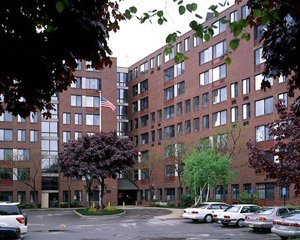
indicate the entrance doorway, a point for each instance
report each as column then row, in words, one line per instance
column 53, row 200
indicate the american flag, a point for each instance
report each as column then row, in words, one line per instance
column 108, row 104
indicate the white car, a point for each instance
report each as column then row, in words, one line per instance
column 235, row 215
column 11, row 216
column 204, row 211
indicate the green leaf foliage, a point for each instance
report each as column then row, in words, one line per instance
column 160, row 13
column 181, row 9
column 180, row 57
column 228, row 60
column 234, row 43
column 133, row 9
column 60, row 6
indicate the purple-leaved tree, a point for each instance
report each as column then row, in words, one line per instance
column 95, row 158
column 282, row 163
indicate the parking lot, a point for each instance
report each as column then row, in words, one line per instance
column 139, row 224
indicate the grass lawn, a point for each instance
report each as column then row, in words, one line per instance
column 94, row 212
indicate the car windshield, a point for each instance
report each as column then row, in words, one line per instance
column 232, row 209
column 266, row 211
column 294, row 215
column 201, row 206
column 9, row 210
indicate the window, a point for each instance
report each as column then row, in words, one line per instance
column 282, row 79
column 219, row 72
column 122, row 95
column 144, row 68
column 76, row 101
column 205, row 78
column 283, row 97
column 49, row 129
column 136, row 141
column 262, row 133
column 66, row 118
column 219, row 118
column 196, row 124
column 20, row 119
column 234, row 114
column 187, row 44
column 234, row 90
column 219, row 95
column 159, row 116
column 151, row 63
column 259, row 32
column 6, row 135
column 159, row 135
column 153, row 136
column 248, row 188
column 144, row 174
column 92, row 83
column 170, row 194
column 135, row 107
column 6, row 154
column 206, row 56
column 144, row 86
column 6, row 117
column 196, row 41
column 245, row 11
column 135, row 90
column 122, row 79
column 284, row 190
column 21, row 196
column 169, row 151
column 169, row 93
column 235, row 191
column 205, row 100
column 169, row 132
column 77, row 135
column 258, row 59
column 78, row 118
column 170, row 55
column 170, row 171
column 219, row 49
column 92, row 120
column 66, row 137
column 91, row 101
column 219, row 27
column 196, row 103
column 246, row 86
column 6, row 174
column 180, row 88
column 179, row 47
column 169, row 112
column 205, row 122
column 34, row 117
column 188, row 127
column 179, row 109
column 264, row 106
column 144, row 121
column 187, row 106
column 33, row 135
column 265, row 190
column 246, row 111
column 21, row 135
column 23, row 174
column 258, row 80
column 23, row 155
column 158, row 60
column 169, row 74
column 152, row 117
column 233, row 16
column 144, row 138
column 179, row 129
column 144, row 103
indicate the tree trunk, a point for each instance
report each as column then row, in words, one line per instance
column 69, row 191
column 101, row 192
column 207, row 193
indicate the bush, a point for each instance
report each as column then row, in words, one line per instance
column 187, row 200
column 72, row 205
column 245, row 198
column 157, row 203
column 27, row 205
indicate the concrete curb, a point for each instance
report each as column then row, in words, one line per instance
column 102, row 216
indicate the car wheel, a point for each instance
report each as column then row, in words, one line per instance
column 240, row 223
column 255, row 229
column 284, row 237
column 208, row 218
column 225, row 224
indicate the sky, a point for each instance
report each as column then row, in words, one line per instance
column 134, row 41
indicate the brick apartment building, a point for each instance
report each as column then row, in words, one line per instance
column 160, row 105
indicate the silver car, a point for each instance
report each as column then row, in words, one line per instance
column 287, row 226
column 263, row 218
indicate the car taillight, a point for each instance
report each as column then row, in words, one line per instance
column 194, row 212
column 226, row 216
column 21, row 220
column 262, row 219
column 295, row 225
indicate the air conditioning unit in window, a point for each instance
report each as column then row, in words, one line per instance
column 233, row 101
column 246, row 98
column 245, row 123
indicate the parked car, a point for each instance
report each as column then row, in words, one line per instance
column 287, row 226
column 204, row 211
column 235, row 215
column 263, row 218
column 11, row 216
column 9, row 233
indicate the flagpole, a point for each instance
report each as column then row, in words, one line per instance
column 100, row 112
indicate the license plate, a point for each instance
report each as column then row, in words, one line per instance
column 219, row 221
column 251, row 225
